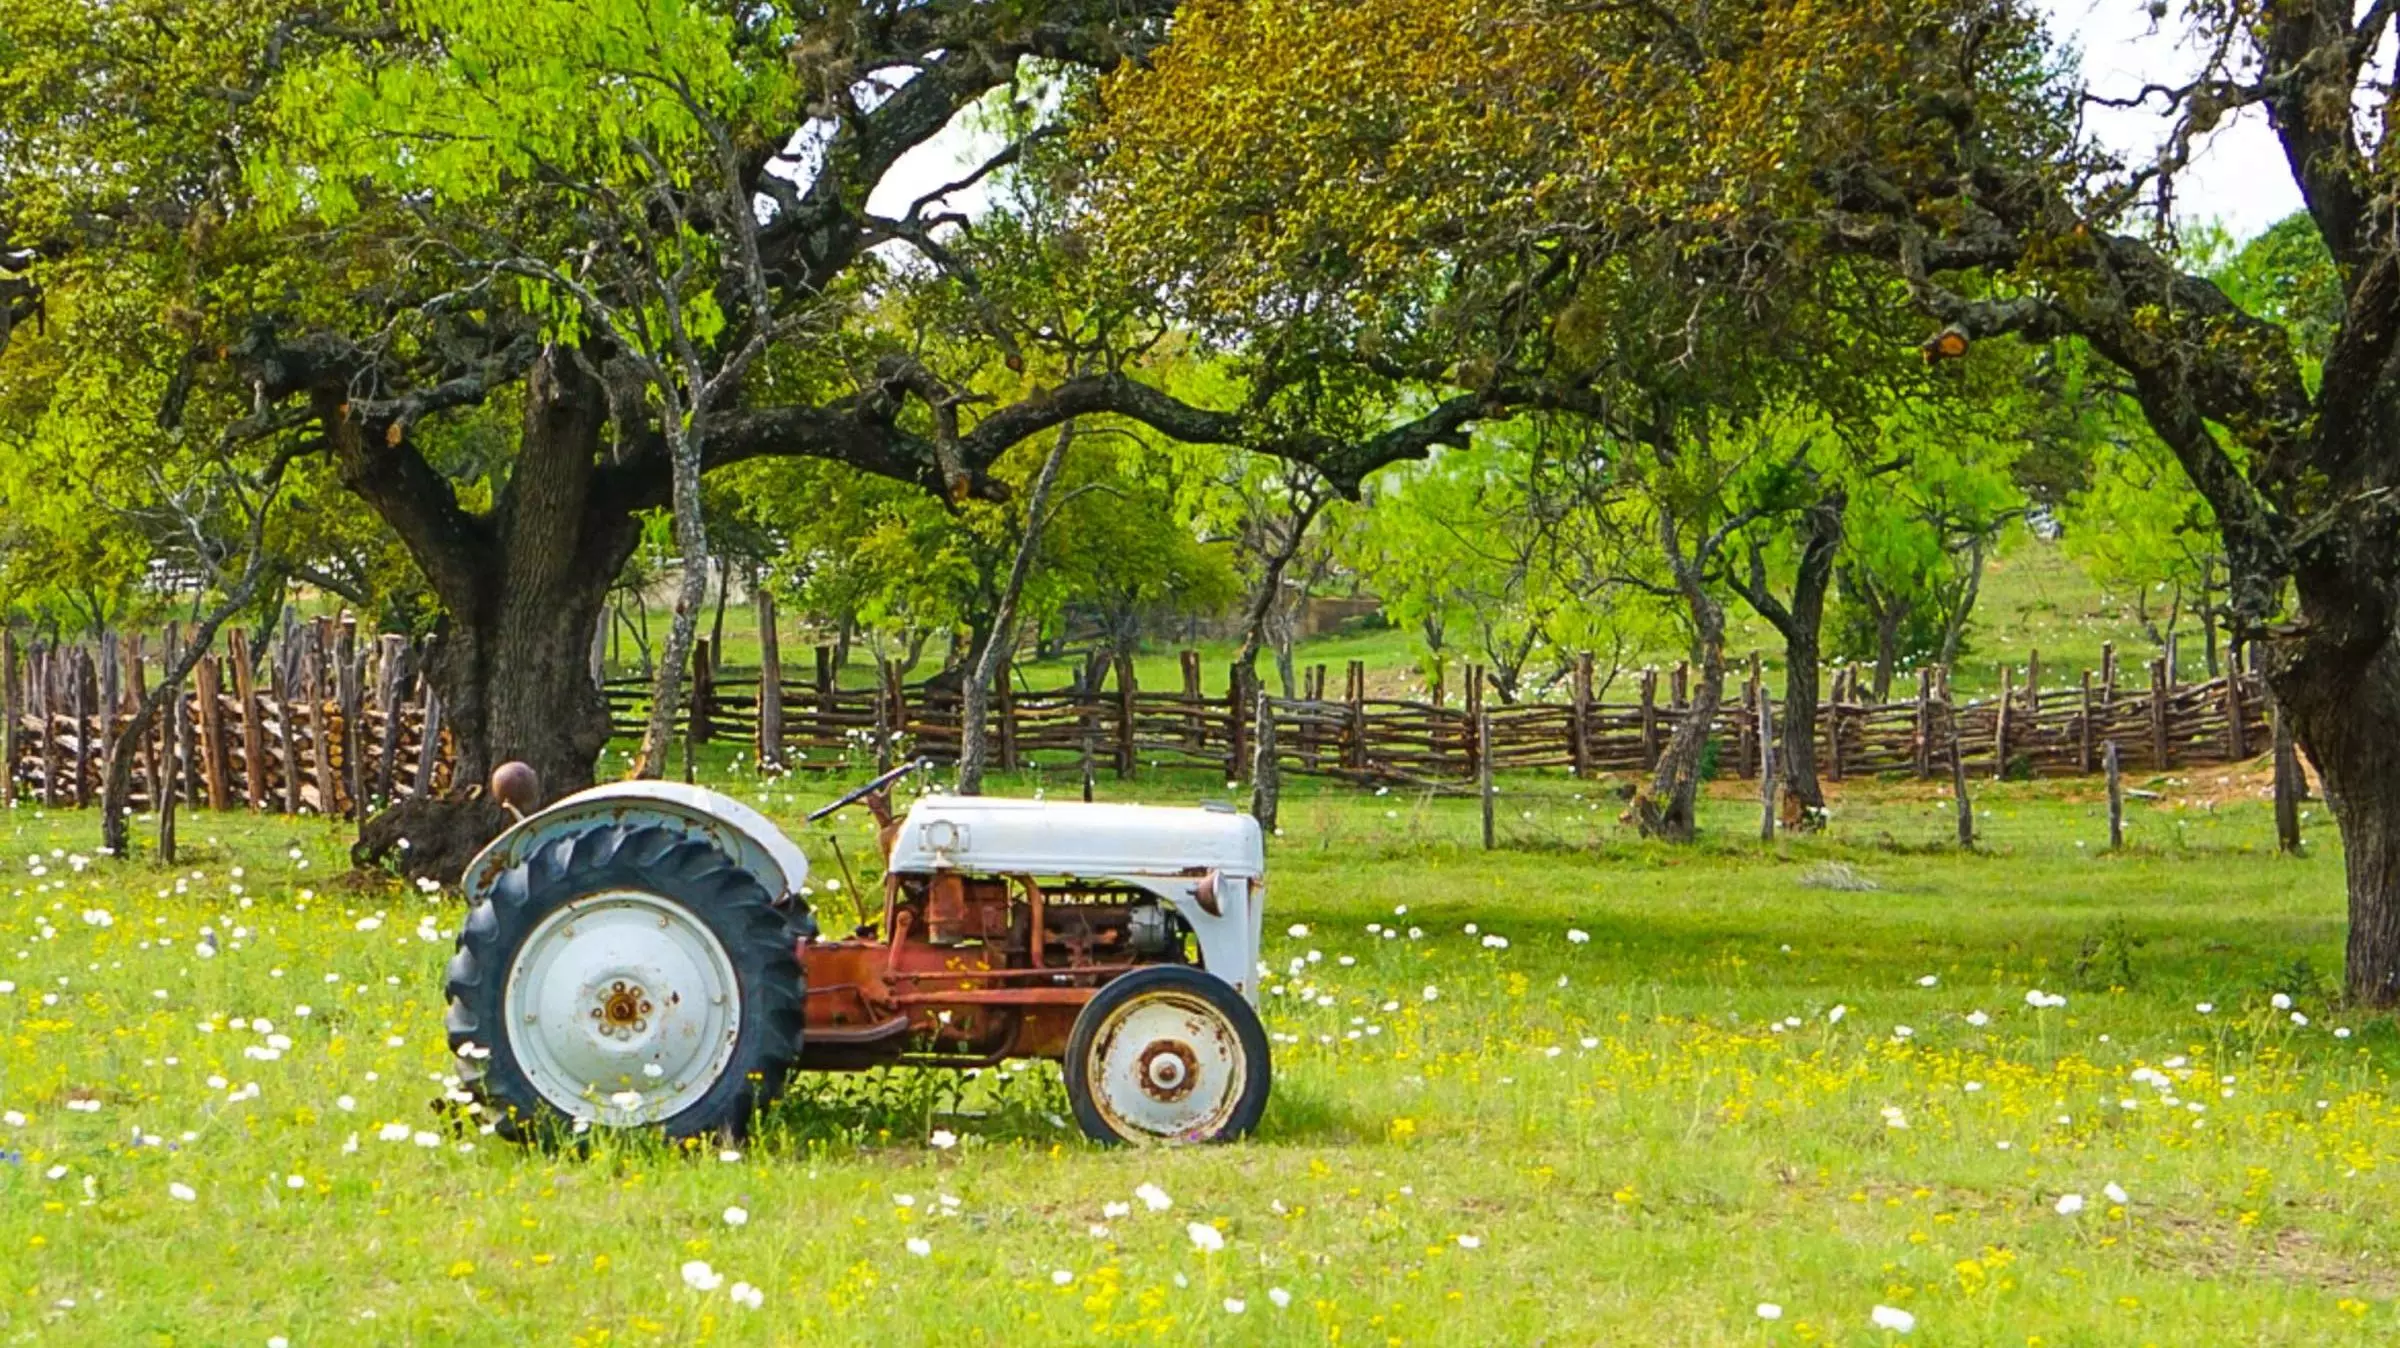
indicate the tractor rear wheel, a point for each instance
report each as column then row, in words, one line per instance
column 1167, row 1054
column 627, row 976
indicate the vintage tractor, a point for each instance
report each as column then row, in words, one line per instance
column 641, row 955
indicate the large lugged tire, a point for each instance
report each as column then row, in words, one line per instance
column 1167, row 1054
column 627, row 976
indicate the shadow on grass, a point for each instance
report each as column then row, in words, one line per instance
column 907, row 1107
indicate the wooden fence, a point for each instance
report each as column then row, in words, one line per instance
column 2158, row 721
column 330, row 718
column 323, row 720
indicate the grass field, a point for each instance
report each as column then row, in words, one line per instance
column 1581, row 1090
column 2034, row 597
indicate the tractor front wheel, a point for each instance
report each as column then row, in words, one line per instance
column 1167, row 1054
column 626, row 976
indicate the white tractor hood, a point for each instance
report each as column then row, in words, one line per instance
column 991, row 835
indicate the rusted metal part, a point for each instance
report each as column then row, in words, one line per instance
column 623, row 1010
column 997, row 997
column 1166, row 1065
column 1033, row 910
column 1167, row 1069
column 974, row 969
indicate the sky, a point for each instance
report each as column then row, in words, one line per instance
column 2236, row 179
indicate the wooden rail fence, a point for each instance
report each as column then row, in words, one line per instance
column 2158, row 721
column 330, row 718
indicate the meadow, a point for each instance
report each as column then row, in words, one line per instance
column 1853, row 1088
column 2035, row 596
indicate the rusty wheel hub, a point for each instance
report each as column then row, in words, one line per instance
column 1166, row 1066
column 623, row 1010
column 1169, row 1068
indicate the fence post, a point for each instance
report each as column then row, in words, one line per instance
column 287, row 714
column 2237, row 740
column 1649, row 718
column 1958, row 776
column 86, row 684
column 245, row 692
column 1089, row 733
column 1237, row 731
column 2116, row 796
column 895, row 699
column 1926, row 723
column 390, row 669
column 1441, row 664
column 2108, row 673
column 1766, row 766
column 770, row 685
column 1752, row 756
column 351, row 683
column 1582, row 728
column 429, row 735
column 165, row 788
column 1266, row 775
column 45, row 681
column 1845, row 687
column 825, row 679
column 2083, row 728
column 1476, row 734
column 1195, row 735
column 883, row 716
column 1358, row 716
column 319, row 727
column 703, row 725
column 1127, row 712
column 215, row 769
column 1483, row 769
column 2000, row 724
column 8, row 716
column 2159, row 684
column 2287, row 782
column 1007, row 702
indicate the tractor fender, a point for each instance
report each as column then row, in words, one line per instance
column 732, row 827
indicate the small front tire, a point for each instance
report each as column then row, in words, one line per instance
column 1167, row 1054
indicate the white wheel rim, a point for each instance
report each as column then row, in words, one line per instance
column 1167, row 1066
column 623, row 1008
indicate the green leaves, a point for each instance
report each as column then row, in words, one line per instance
column 479, row 97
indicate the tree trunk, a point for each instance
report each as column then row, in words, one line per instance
column 521, row 589
column 975, row 695
column 1669, row 809
column 1283, row 642
column 1801, row 625
column 1889, row 614
column 116, row 785
column 2343, row 712
column 1954, row 631
column 1270, row 585
column 691, row 591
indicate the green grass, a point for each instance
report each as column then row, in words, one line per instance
column 2034, row 598
column 1633, row 1148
